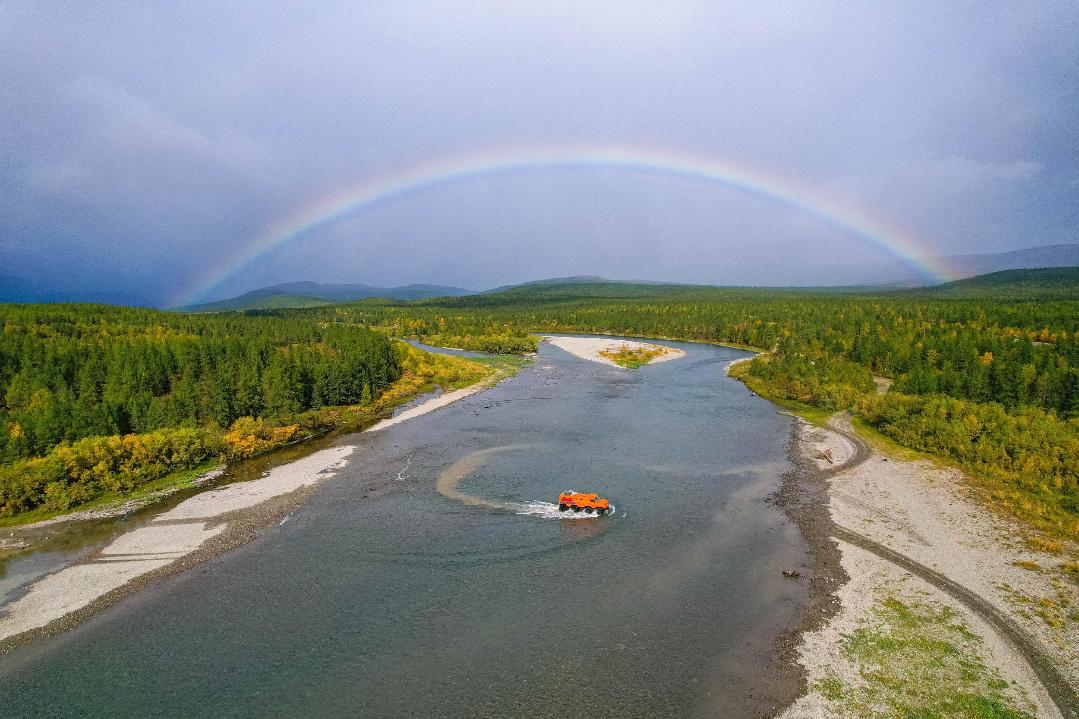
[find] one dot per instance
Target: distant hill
(893, 273)
(315, 294)
(1022, 284)
(558, 291)
(1053, 256)
(574, 280)
(851, 278)
(594, 286)
(1037, 283)
(586, 286)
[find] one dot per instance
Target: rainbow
(373, 192)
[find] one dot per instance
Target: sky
(145, 147)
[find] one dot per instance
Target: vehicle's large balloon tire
(576, 508)
(562, 508)
(588, 510)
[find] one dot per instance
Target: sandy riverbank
(590, 348)
(964, 604)
(200, 527)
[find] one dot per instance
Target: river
(432, 576)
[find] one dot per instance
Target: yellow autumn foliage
(249, 436)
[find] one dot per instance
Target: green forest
(69, 371)
(98, 400)
(983, 372)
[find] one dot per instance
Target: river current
(433, 576)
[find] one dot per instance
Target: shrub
(78, 472)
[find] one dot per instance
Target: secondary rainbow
(372, 192)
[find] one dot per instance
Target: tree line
(74, 371)
(1015, 353)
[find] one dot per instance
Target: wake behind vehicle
(588, 502)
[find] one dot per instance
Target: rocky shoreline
(903, 557)
(803, 497)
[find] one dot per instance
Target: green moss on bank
(919, 660)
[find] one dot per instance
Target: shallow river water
(432, 576)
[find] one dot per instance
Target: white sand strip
(140, 551)
(279, 480)
(158, 544)
(429, 406)
(589, 348)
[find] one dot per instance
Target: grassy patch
(1044, 544)
(633, 357)
(918, 660)
(504, 365)
(831, 688)
(1056, 612)
(885, 445)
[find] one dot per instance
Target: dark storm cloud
(143, 143)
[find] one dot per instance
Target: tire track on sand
(1058, 687)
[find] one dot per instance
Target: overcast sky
(142, 144)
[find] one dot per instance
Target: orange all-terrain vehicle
(589, 502)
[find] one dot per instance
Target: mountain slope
(314, 294)
(1039, 283)
(1028, 258)
(847, 278)
(1008, 285)
(900, 275)
(865, 276)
